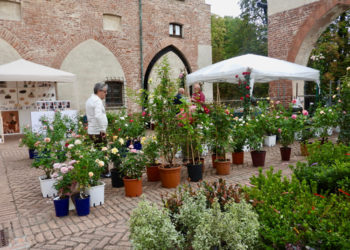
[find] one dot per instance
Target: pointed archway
(159, 55)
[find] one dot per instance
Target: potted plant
(65, 186)
(306, 133)
(238, 140)
(344, 107)
(94, 161)
(151, 152)
(133, 166)
(324, 119)
(116, 152)
(193, 126)
(220, 129)
(167, 132)
(255, 141)
(288, 127)
(30, 140)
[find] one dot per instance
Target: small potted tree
(324, 119)
(30, 140)
(238, 139)
(164, 115)
(133, 166)
(151, 152)
(306, 133)
(117, 150)
(255, 141)
(220, 129)
(65, 186)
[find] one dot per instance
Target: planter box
(47, 187)
(97, 195)
(270, 140)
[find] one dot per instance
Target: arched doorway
(91, 62)
(177, 62)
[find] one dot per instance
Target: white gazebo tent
(26, 71)
(23, 70)
(263, 69)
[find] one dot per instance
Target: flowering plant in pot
(255, 138)
(288, 126)
(344, 109)
(151, 152)
(269, 116)
(237, 140)
(193, 126)
(306, 132)
(29, 140)
(133, 166)
(164, 115)
(220, 128)
(65, 186)
(116, 151)
(244, 89)
(324, 119)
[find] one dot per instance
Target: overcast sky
(224, 7)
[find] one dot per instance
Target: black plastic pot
(117, 178)
(32, 153)
(195, 172)
(258, 158)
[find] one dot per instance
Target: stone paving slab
(31, 222)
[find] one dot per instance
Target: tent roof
(263, 69)
(23, 70)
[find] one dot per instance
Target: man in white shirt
(96, 117)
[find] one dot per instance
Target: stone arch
(160, 54)
(92, 62)
(7, 52)
(313, 27)
(13, 44)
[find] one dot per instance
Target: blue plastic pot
(137, 144)
(32, 153)
(82, 206)
(61, 207)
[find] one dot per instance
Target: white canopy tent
(23, 70)
(262, 68)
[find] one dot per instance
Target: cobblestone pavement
(29, 219)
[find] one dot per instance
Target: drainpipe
(141, 44)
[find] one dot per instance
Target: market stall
(263, 70)
(25, 87)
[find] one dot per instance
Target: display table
(36, 117)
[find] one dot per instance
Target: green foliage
(291, 213)
(202, 220)
(164, 114)
(150, 149)
(331, 53)
(344, 113)
(219, 129)
(239, 135)
(327, 153)
(255, 134)
(29, 138)
(117, 150)
(329, 178)
(151, 228)
(324, 118)
(133, 164)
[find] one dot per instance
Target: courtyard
(29, 220)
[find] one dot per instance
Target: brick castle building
(102, 41)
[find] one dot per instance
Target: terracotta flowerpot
(170, 177)
(153, 173)
(214, 157)
(303, 149)
(258, 158)
(238, 158)
(223, 167)
(285, 153)
(133, 187)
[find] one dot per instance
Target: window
(10, 10)
(115, 94)
(175, 30)
(112, 22)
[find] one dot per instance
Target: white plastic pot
(318, 132)
(297, 136)
(71, 204)
(47, 187)
(270, 140)
(337, 129)
(97, 194)
(246, 148)
(329, 131)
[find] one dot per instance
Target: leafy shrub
(327, 153)
(151, 228)
(329, 178)
(293, 215)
